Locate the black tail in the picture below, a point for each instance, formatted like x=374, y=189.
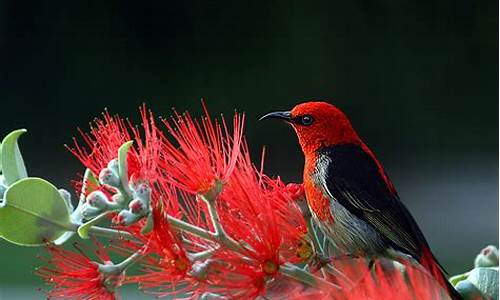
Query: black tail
x=454, y=295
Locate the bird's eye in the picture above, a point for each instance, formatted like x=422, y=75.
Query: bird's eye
x=306, y=120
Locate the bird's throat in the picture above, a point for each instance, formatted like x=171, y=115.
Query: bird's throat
x=316, y=199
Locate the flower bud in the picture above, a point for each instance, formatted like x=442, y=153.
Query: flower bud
x=67, y=197
x=137, y=206
x=142, y=191
x=113, y=166
x=3, y=189
x=3, y=186
x=108, y=177
x=98, y=200
x=295, y=191
x=488, y=257
x=125, y=217
x=89, y=211
x=117, y=200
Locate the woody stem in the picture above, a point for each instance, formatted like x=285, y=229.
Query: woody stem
x=220, y=233
x=303, y=276
x=130, y=260
x=117, y=269
x=287, y=269
x=189, y=228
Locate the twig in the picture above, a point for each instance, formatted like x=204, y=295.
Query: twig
x=189, y=228
x=303, y=276
x=117, y=269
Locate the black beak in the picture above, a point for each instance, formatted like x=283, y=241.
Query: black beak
x=283, y=115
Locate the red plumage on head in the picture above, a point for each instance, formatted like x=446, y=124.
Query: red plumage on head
x=330, y=127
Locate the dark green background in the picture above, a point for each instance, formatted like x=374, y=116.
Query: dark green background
x=419, y=80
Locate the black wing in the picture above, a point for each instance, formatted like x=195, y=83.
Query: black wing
x=352, y=177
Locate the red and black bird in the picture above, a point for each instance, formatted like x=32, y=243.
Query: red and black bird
x=352, y=199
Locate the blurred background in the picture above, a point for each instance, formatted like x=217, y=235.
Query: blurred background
x=419, y=80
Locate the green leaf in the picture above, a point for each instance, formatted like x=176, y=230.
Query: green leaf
x=83, y=230
x=12, y=162
x=454, y=280
x=122, y=164
x=33, y=213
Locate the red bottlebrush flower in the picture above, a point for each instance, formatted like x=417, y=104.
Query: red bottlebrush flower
x=109, y=133
x=388, y=282
x=148, y=142
x=295, y=191
x=167, y=200
x=296, y=245
x=249, y=212
x=76, y=276
x=247, y=215
x=166, y=265
x=229, y=277
x=105, y=138
x=205, y=152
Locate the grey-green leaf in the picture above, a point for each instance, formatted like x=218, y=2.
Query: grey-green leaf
x=12, y=162
x=486, y=280
x=33, y=213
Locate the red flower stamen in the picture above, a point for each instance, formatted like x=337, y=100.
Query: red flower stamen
x=102, y=143
x=109, y=133
x=166, y=265
x=205, y=152
x=252, y=209
x=76, y=276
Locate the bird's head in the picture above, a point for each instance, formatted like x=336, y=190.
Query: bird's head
x=317, y=124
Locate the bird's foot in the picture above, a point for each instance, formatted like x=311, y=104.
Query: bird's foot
x=319, y=261
x=371, y=265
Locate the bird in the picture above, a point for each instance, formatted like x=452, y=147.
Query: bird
x=350, y=196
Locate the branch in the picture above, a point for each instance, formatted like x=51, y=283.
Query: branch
x=303, y=276
x=189, y=228
x=220, y=234
x=117, y=269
